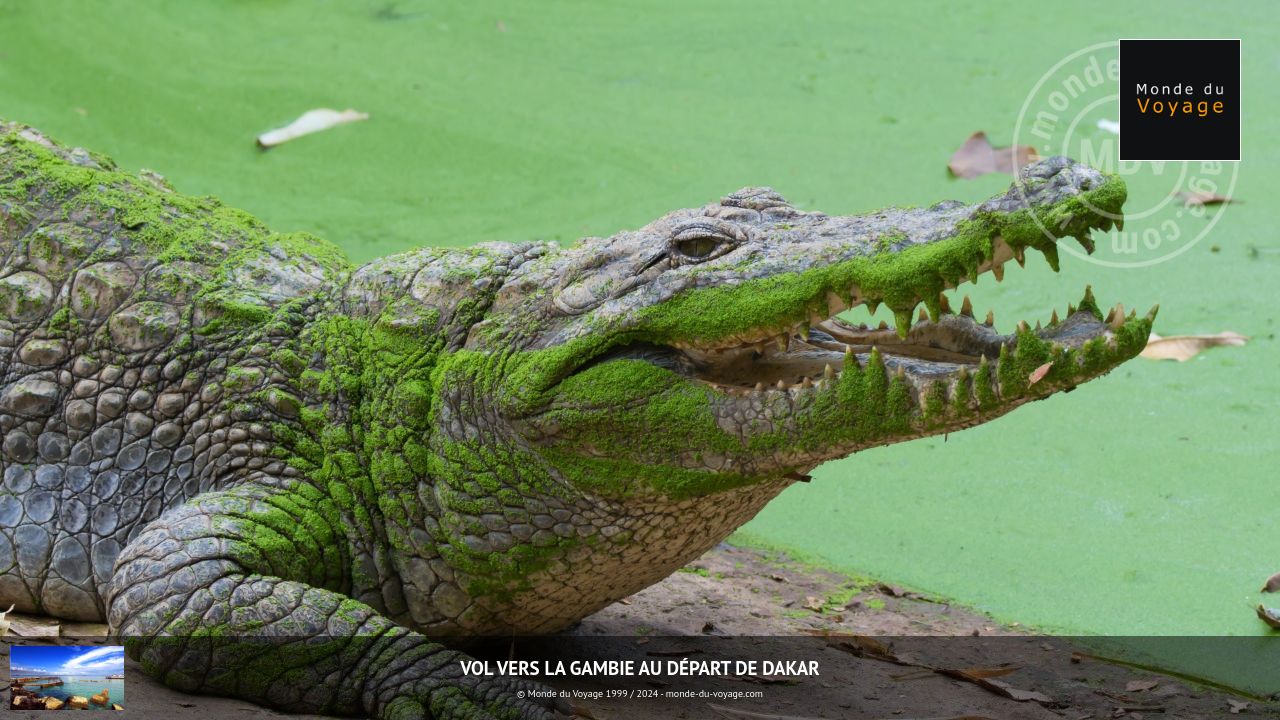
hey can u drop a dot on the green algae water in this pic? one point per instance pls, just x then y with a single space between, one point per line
1142 504
87 687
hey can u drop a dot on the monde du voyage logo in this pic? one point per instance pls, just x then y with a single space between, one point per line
1180 100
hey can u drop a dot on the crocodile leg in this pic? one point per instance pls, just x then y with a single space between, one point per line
224 595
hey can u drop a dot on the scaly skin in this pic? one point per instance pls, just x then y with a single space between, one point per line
219 437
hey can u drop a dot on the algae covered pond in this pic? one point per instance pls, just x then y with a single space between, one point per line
1143 503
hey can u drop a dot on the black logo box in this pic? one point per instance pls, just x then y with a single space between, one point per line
1187 69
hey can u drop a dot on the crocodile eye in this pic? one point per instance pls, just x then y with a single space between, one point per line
704 240
697 248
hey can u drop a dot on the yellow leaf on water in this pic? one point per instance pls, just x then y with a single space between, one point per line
1185 347
311 121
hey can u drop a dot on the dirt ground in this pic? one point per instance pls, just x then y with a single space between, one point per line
883 653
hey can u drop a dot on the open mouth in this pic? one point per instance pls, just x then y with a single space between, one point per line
945 344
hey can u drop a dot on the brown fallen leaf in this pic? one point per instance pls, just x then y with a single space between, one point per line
979 673
892 590
1140 685
813 603
1194 197
311 121
1013 693
1185 347
32 626
1272 584
1270 616
977 157
1038 374
859 645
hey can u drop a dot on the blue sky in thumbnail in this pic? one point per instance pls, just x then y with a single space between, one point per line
74 660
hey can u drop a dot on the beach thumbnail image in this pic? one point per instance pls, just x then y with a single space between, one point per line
56 677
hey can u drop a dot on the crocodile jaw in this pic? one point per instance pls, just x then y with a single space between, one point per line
750 344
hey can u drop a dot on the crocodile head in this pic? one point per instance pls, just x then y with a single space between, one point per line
704 350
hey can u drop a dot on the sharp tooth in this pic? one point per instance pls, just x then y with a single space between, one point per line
835 303
1023 326
1118 320
872 306
1037 326
759 387
828 372
1053 319
1120 223
967 308
1051 256
884 325
998 271
901 373
850 359
782 385
923 316
1020 254
1151 314
806 382
902 318
963 373
991 319
944 304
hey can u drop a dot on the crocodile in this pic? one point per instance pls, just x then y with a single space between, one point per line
216 434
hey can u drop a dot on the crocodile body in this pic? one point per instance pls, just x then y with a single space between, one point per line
215 431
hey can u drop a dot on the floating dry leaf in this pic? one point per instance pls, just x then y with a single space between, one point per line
977 157
1270 616
1185 347
1140 685
1195 197
311 121
1272 584
1038 374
